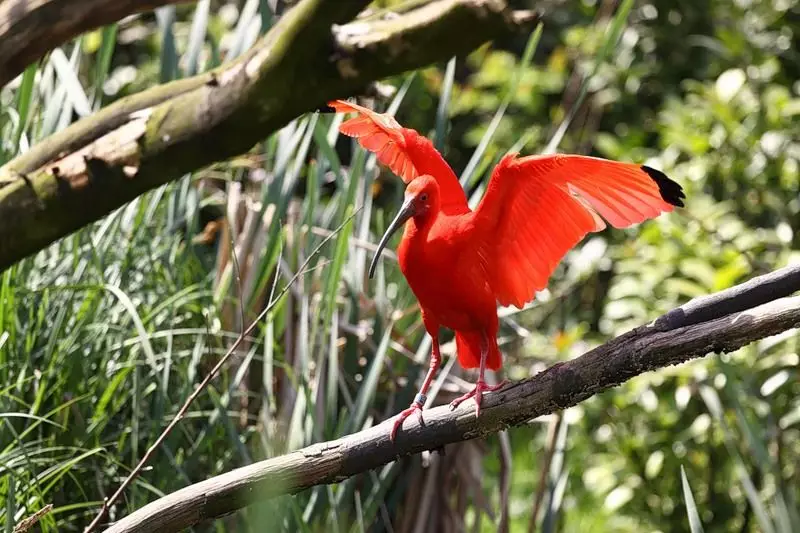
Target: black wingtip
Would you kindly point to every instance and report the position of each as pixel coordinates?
(325, 108)
(671, 191)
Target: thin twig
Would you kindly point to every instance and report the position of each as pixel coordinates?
(203, 384)
(238, 274)
(358, 243)
(506, 471)
(552, 437)
(26, 523)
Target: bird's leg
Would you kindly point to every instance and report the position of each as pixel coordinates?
(421, 397)
(480, 385)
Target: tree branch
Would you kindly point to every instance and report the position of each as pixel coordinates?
(561, 386)
(749, 294)
(96, 165)
(29, 28)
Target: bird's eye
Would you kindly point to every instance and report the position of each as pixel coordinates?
(423, 197)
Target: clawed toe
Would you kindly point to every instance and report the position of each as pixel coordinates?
(492, 388)
(477, 395)
(405, 413)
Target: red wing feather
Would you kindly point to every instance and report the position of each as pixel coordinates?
(537, 208)
(407, 153)
(378, 133)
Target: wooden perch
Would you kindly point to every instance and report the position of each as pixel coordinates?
(561, 386)
(103, 161)
(28, 29)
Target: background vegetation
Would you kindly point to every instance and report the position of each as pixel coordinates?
(105, 333)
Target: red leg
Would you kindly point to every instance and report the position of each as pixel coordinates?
(421, 397)
(480, 386)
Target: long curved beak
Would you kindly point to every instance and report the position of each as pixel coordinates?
(406, 212)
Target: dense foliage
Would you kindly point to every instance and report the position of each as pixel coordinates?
(105, 333)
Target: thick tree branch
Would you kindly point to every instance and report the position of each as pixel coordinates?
(563, 385)
(757, 291)
(96, 165)
(29, 28)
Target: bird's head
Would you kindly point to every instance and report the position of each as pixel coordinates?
(421, 201)
(422, 197)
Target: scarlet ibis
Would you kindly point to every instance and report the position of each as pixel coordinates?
(460, 263)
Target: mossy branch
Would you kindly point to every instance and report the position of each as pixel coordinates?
(309, 57)
(717, 323)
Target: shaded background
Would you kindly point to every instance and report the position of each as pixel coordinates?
(105, 333)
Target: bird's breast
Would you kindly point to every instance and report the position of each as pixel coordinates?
(449, 282)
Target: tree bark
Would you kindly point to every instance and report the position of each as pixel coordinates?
(561, 386)
(29, 28)
(96, 165)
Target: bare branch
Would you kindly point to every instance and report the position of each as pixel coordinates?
(96, 165)
(561, 386)
(28, 29)
(755, 292)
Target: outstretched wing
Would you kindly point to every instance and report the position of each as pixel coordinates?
(536, 208)
(407, 153)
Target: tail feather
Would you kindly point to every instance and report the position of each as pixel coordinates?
(468, 348)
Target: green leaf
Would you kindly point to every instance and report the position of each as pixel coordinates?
(477, 155)
(103, 62)
(24, 98)
(197, 37)
(169, 53)
(695, 525)
(369, 386)
(611, 39)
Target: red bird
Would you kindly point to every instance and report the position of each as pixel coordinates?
(459, 263)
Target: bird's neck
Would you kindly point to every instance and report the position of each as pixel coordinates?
(418, 227)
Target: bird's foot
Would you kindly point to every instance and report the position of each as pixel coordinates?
(416, 407)
(477, 395)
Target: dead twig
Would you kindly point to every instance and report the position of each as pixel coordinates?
(26, 523)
